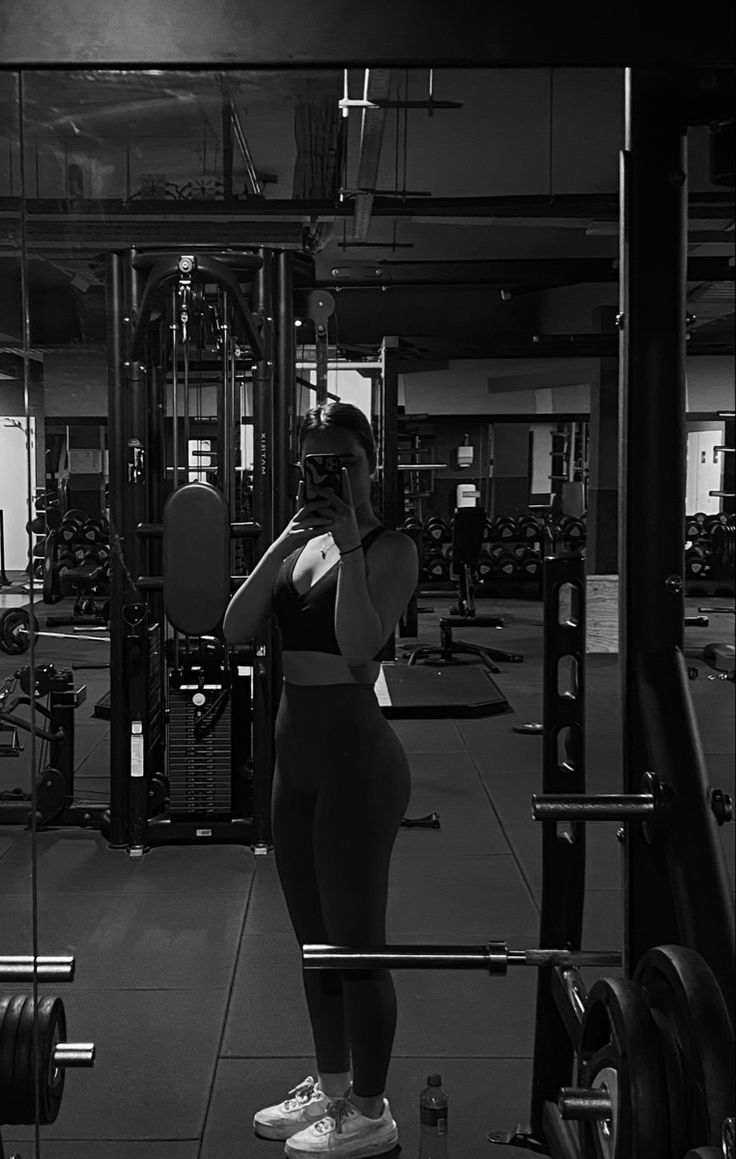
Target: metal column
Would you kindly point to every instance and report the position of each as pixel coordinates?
(284, 395)
(653, 446)
(385, 410)
(263, 500)
(117, 457)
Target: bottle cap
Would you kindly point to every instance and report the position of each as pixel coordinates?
(434, 1080)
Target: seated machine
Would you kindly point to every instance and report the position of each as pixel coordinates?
(467, 536)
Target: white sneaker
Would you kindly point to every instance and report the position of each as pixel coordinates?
(307, 1105)
(344, 1131)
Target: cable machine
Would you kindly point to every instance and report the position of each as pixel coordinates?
(201, 420)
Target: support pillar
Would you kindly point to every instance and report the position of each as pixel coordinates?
(601, 565)
(653, 444)
(602, 538)
(264, 639)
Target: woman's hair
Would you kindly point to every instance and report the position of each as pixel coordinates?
(345, 416)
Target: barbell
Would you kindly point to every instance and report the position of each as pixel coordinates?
(15, 632)
(25, 1083)
(655, 1053)
(495, 957)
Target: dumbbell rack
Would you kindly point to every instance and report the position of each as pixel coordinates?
(710, 548)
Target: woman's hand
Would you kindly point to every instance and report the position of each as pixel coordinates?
(312, 518)
(340, 513)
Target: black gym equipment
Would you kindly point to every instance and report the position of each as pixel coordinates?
(34, 1053)
(467, 538)
(54, 784)
(191, 720)
(654, 1051)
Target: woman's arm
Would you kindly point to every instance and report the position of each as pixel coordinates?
(251, 604)
(371, 597)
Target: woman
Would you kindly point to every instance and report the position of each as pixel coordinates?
(338, 581)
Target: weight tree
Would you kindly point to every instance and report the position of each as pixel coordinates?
(184, 327)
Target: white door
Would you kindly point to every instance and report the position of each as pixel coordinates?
(704, 472)
(14, 488)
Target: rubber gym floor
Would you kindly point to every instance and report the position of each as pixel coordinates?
(188, 977)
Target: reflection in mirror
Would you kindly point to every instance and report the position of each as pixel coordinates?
(22, 724)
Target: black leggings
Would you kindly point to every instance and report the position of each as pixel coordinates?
(340, 791)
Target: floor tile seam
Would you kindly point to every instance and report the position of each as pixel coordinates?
(423, 1054)
(226, 1013)
(502, 827)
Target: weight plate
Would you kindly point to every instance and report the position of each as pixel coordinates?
(688, 1006)
(51, 1031)
(7, 1051)
(13, 640)
(22, 1102)
(619, 1050)
(51, 592)
(50, 793)
(8, 1037)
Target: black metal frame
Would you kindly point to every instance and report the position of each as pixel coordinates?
(137, 488)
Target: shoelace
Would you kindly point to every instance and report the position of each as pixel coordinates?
(335, 1114)
(303, 1092)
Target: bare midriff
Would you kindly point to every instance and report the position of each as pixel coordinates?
(325, 668)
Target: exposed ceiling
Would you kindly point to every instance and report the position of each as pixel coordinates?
(472, 212)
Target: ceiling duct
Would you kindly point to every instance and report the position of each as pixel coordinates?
(377, 86)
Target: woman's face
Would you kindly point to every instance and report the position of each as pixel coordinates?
(338, 441)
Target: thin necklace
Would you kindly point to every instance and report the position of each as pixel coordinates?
(324, 550)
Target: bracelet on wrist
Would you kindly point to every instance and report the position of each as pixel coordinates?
(351, 550)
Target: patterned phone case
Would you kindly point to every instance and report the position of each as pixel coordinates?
(322, 471)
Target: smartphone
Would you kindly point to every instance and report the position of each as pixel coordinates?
(322, 471)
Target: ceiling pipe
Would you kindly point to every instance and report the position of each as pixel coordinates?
(377, 86)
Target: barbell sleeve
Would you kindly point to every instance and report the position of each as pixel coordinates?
(49, 969)
(492, 957)
(74, 1054)
(579, 807)
(495, 957)
(593, 1106)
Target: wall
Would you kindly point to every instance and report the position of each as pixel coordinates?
(560, 386)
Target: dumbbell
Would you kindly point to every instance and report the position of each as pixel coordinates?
(436, 530)
(696, 562)
(529, 564)
(437, 566)
(411, 523)
(692, 527)
(91, 531)
(506, 564)
(71, 526)
(486, 564)
(528, 527)
(503, 527)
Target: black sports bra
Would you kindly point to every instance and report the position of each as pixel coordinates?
(307, 621)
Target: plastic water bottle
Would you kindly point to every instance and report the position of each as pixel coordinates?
(433, 1120)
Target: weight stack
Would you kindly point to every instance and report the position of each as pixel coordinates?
(199, 752)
